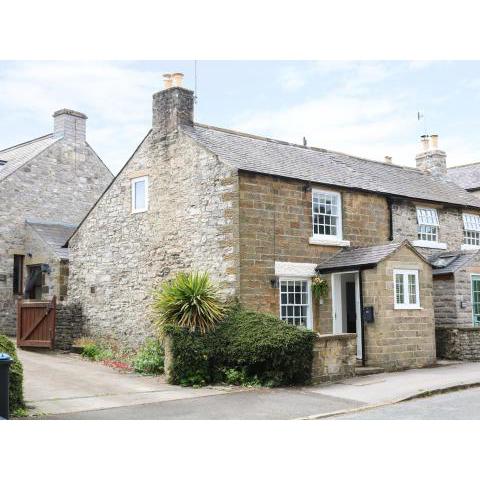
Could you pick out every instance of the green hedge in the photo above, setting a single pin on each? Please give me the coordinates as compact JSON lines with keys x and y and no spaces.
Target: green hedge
{"x":259,"y":345}
{"x":16,"y":375}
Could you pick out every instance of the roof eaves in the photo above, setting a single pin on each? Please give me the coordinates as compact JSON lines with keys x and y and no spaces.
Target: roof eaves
{"x":108,"y":188}
{"x":30,"y":159}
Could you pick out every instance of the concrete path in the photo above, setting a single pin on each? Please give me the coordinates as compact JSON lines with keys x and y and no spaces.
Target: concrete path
{"x":352,"y":395}
{"x":387,"y":388}
{"x":58,"y":383}
{"x":461,"y":405}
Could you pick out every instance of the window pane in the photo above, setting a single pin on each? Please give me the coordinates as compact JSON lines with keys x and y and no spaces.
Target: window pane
{"x":471,"y":238}
{"x":140,"y":195}
{"x":476,"y":301}
{"x":399,"y":288}
{"x":471,"y":222}
{"x":294,"y":304}
{"x":325,"y":213}
{"x":412,"y":289}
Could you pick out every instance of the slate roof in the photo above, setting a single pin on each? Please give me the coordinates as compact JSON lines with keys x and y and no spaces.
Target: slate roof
{"x":359,"y":257}
{"x":454,"y":260}
{"x":17,"y":156}
{"x":54,"y":234}
{"x":274,"y":157}
{"x":467,"y":176}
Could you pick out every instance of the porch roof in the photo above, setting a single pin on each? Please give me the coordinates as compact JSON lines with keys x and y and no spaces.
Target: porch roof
{"x":352,"y":258}
{"x":54,"y":235}
{"x":449,"y":262}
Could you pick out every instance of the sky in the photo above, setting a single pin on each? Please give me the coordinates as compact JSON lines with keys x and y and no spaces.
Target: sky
{"x":367,"y":109}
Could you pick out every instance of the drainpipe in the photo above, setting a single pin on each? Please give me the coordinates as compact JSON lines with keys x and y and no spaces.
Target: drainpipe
{"x":390,"y":219}
{"x":360,"y":285}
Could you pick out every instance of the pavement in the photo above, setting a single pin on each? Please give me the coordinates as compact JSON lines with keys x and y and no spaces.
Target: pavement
{"x":66,"y":386}
{"x":61,"y":383}
{"x":459,"y":405}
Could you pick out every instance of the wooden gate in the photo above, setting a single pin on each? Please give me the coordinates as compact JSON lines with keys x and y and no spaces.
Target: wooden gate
{"x":36,"y":323}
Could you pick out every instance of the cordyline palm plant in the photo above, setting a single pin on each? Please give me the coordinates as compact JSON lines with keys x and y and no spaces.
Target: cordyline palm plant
{"x":191,"y":301}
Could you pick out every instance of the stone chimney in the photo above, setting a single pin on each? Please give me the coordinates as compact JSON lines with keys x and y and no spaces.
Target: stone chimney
{"x":70,"y":125}
{"x":431,"y":159}
{"x":172,"y":106}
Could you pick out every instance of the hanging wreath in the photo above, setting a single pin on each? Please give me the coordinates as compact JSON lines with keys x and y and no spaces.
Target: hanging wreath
{"x":319,"y":287}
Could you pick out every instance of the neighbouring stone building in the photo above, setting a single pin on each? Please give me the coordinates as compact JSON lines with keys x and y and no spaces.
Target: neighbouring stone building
{"x":467,"y":176}
{"x":264,"y":217}
{"x":47,"y":185}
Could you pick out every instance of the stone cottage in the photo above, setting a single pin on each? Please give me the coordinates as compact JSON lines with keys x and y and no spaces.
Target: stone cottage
{"x":47,"y":185}
{"x":264,"y":217}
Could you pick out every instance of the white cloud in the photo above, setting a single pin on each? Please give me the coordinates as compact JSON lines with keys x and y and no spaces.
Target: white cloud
{"x":292,"y":79}
{"x":354,"y":125}
{"x":116,"y":98}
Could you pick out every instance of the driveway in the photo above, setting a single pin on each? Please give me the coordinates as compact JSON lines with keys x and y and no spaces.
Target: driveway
{"x":64,"y":383}
{"x":352,"y":396}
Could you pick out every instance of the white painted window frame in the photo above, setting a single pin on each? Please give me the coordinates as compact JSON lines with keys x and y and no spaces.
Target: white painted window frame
{"x":467,"y":227}
{"x":407,"y":305}
{"x":336,"y":240}
{"x":309,"y":293}
{"x":133,"y":183}
{"x":422,"y":221}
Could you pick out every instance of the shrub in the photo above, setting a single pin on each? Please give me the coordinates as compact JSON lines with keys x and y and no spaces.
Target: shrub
{"x":191,"y":301}
{"x":190,"y":357}
{"x":95,"y":351}
{"x":259,"y":346}
{"x":15,"y":393}
{"x":149,"y":360}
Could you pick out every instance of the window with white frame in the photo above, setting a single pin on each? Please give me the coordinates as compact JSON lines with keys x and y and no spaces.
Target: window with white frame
{"x":327,"y":214}
{"x":407,"y":291}
{"x":471,"y":229}
{"x":139,"y":194}
{"x":295,"y":301}
{"x":427,"y":228}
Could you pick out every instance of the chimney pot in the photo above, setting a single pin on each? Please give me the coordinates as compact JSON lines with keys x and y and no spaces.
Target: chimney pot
{"x":167,"y":80}
{"x":388,"y":160}
{"x":431,"y":159}
{"x":177,"y":79}
{"x":424,"y":142}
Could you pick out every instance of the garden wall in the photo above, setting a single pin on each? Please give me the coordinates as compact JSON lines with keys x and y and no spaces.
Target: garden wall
{"x":334,"y":357}
{"x":458,"y":343}
{"x":69,"y":325}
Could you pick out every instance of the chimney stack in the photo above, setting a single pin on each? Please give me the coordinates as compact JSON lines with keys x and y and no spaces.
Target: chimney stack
{"x":70,"y":125}
{"x":388,"y":160}
{"x":172,"y":106}
{"x":431,"y":159}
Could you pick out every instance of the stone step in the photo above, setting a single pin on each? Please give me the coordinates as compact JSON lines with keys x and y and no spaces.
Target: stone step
{"x":361,"y":371}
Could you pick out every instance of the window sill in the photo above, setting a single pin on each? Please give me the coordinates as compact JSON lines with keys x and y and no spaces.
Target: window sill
{"x":328,"y":241}
{"x":413,"y":307}
{"x":428,"y":244}
{"x":140,"y":211}
{"x":470,"y":247}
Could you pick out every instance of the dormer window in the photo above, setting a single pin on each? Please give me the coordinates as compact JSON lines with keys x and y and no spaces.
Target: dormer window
{"x":471,"y":231}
